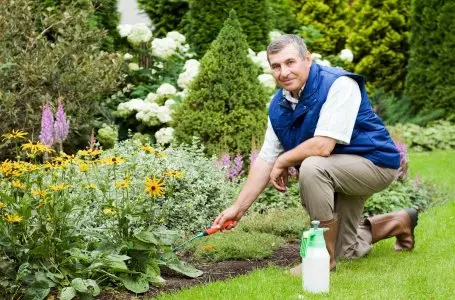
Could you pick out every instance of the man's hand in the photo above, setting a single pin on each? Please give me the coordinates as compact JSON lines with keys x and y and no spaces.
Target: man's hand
{"x":233,"y":213}
{"x":279,"y":177}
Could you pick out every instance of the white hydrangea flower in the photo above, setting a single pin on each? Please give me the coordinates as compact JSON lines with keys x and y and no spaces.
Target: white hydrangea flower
{"x":267,"y":80}
{"x":124,"y":30}
{"x":127,"y":56}
{"x":191,"y":69}
{"x":166,"y":89}
{"x":169,"y":103}
{"x":251,"y":54}
{"x":164,"y":48}
{"x":316,"y":56}
{"x":151,"y":97}
{"x":176,"y":36}
{"x":164,"y":114}
{"x":184,"y":49}
{"x":140,"y":33}
{"x":274,"y":34}
{"x":323,"y":62}
{"x":346,"y":54}
{"x":263,"y":62}
{"x":164,"y":135}
{"x":133,"y":66}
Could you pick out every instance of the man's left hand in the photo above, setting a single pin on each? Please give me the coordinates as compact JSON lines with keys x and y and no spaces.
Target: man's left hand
{"x":279,"y":177}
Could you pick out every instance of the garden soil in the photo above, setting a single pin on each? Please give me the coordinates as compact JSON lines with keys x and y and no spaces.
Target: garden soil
{"x":286,"y":256}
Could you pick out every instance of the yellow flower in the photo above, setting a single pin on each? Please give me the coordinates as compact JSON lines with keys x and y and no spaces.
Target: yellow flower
{"x":36,"y":147}
{"x":122,"y":184}
{"x":148,"y":149}
{"x":15,"y":134}
{"x":160,"y":154}
{"x":11,"y":169}
{"x":91,"y":186}
{"x":109,"y":211}
{"x":39,"y":193}
{"x":154,"y":187}
{"x":58,"y":187}
{"x":90,"y":152}
{"x":2,"y":205}
{"x":13,"y":218}
{"x":174,"y":173}
{"x":112,"y":160}
{"x":18,"y":184}
{"x":83,"y":168}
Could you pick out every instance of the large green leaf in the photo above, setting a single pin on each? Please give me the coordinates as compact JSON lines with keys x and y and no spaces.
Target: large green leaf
{"x":38,"y":290}
{"x":173,"y":262}
{"x":79,"y":285}
{"x":93,"y":288}
{"x":148,"y":237}
{"x":167,"y":237}
{"x":67,"y":293}
{"x":135,"y":283}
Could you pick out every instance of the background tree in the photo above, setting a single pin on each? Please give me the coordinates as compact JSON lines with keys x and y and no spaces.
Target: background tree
{"x":205,"y":19}
{"x":226,"y":104}
{"x":324,"y":24}
{"x":379,"y":41}
{"x":36,"y":68}
{"x":282,"y":16}
{"x":166,"y":15}
{"x":430,"y":82}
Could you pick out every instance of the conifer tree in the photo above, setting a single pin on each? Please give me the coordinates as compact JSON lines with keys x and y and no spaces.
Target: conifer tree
{"x":205,"y":19}
{"x":379,"y":41}
{"x":226,"y":106}
{"x":166,"y":15}
{"x":430,"y":82}
{"x":329,"y":19}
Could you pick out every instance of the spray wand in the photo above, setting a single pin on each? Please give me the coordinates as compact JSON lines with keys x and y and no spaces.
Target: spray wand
{"x":206,"y":232}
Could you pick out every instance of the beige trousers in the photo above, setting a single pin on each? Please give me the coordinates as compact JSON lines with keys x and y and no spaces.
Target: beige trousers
{"x":337,"y":187}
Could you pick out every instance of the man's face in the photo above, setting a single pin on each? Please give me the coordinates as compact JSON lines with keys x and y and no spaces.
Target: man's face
{"x":289,"y":69}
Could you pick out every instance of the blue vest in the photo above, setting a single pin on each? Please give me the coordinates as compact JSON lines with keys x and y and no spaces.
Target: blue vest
{"x":370,"y":138}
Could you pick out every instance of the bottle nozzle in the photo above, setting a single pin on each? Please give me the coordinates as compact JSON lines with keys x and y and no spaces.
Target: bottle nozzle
{"x":315,"y":224}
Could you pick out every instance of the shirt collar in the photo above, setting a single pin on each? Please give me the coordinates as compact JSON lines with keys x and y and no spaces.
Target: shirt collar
{"x":290,"y":98}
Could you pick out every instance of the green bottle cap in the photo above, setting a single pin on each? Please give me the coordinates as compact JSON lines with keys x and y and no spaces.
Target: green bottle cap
{"x":313,"y":238}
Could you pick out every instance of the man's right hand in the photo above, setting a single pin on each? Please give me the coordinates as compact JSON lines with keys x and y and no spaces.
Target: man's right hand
{"x":233,"y":213}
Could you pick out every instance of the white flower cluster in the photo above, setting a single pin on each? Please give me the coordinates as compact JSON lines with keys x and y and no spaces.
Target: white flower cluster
{"x":149,"y":113}
{"x":137,"y":34}
{"x":260,"y":59}
{"x":168,"y":46}
{"x":190,"y":71}
{"x":347,"y":55}
{"x":166,"y":89}
{"x":268,"y":81}
{"x":127,"y":56}
{"x":317,"y":58}
{"x":164,"y":135}
{"x":274,"y":34}
{"x":133,"y":66}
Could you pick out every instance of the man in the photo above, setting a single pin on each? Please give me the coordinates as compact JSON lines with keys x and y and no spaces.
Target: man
{"x":321,"y":120}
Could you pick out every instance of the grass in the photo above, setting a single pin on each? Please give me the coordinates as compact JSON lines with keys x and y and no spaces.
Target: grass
{"x":425,"y":273}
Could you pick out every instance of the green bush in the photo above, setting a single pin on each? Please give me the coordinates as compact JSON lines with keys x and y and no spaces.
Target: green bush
{"x":272,"y":199}
{"x":328,"y":19}
{"x":283,"y":16}
{"x":226,"y":105}
{"x":430,"y":82}
{"x":380,"y":43}
{"x":400,"y":194}
{"x":47,"y":55}
{"x":166,"y":15}
{"x":439,"y":135}
{"x":205,"y":19}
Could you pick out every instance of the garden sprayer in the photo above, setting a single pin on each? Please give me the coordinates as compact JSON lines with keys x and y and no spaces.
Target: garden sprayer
{"x":206,"y":232}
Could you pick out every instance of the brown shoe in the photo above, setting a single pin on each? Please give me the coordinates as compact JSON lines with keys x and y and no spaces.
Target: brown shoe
{"x":330,"y":237}
{"x":400,"y":224}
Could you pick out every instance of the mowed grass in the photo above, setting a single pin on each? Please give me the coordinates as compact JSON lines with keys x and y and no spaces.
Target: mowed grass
{"x":428,"y":272}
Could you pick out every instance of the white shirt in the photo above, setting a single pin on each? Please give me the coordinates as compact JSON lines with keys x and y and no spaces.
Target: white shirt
{"x":336,"y":118}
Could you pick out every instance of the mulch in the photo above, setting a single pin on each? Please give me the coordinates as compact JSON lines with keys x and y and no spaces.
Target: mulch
{"x":286,"y":256}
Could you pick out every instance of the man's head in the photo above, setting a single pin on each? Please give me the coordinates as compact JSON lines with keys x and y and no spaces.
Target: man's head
{"x":290,"y":62}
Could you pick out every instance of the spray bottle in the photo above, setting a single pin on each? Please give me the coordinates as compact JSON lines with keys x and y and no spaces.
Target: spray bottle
{"x":315,"y":260}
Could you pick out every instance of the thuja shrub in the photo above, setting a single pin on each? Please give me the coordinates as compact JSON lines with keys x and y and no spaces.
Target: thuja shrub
{"x":166,"y":15}
{"x":205,"y":19}
{"x":380,"y":42}
{"x":329,"y":19}
{"x":430,"y":81}
{"x":226,"y":105}
{"x":47,"y":55}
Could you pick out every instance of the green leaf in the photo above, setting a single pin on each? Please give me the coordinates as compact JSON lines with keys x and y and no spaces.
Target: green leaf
{"x":172,"y":261}
{"x":148,"y":237}
{"x":167,"y":237}
{"x":67,"y":293}
{"x":37,"y":293}
{"x":135,"y":283}
{"x":152,"y":271}
{"x":116,"y":257}
{"x":79,"y":285}
{"x":93,"y":288}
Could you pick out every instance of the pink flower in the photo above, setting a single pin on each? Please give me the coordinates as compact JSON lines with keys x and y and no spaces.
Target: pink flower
{"x":47,"y":126}
{"x":61,"y":125}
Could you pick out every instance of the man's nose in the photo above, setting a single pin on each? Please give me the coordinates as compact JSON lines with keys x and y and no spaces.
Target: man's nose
{"x":285,"y":71}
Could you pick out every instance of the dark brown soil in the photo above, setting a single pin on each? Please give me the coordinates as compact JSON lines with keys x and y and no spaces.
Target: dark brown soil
{"x":286,"y":256}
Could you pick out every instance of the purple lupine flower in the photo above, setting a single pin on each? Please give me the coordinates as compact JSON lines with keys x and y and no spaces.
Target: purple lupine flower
{"x":236,"y":169}
{"x":47,"y":126}
{"x":224,"y":161}
{"x":403,"y":170}
{"x":61,"y":125}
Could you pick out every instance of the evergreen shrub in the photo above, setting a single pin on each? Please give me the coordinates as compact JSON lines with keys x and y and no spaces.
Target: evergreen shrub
{"x":226,"y":105}
{"x":166,"y":15}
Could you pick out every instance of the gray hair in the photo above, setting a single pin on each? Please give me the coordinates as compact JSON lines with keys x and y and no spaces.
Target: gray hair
{"x":279,"y":43}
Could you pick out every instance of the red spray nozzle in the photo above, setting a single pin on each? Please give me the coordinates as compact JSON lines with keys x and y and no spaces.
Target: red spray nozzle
{"x":215,"y":229}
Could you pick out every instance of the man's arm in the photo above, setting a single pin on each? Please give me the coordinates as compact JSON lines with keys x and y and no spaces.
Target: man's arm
{"x":256,"y":182}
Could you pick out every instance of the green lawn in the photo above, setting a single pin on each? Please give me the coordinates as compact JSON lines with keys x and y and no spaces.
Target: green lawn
{"x":425,"y":273}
